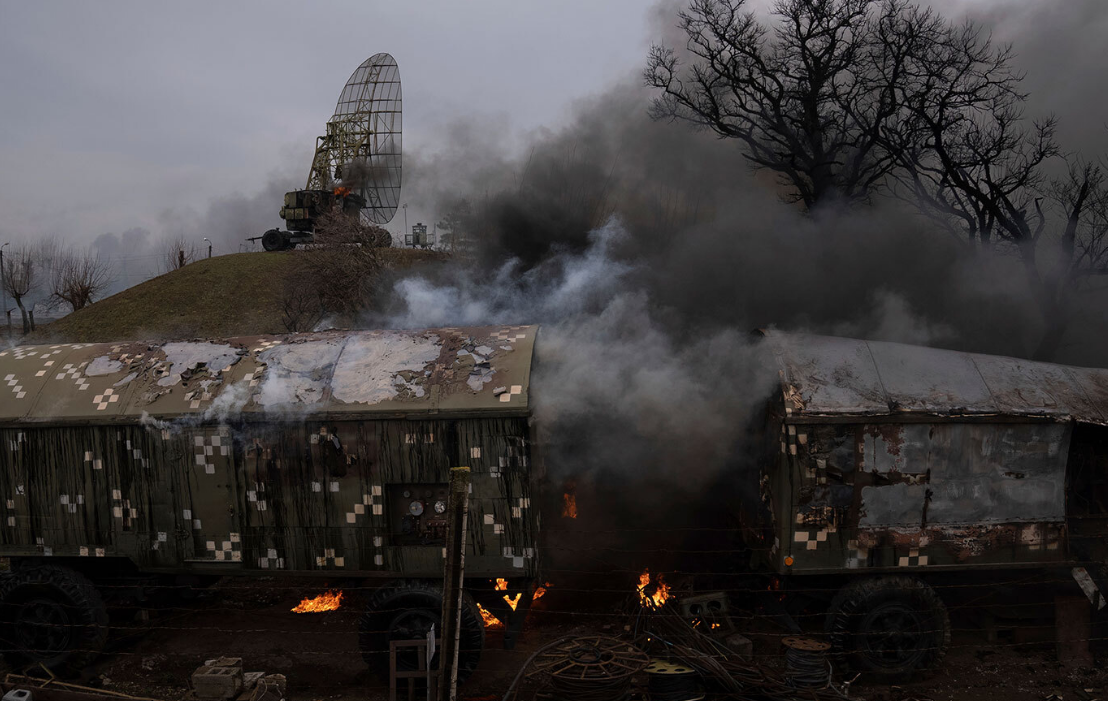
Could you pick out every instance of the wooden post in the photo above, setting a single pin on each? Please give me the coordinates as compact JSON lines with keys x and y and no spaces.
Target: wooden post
{"x":1072,"y":630}
{"x":457,"y":511}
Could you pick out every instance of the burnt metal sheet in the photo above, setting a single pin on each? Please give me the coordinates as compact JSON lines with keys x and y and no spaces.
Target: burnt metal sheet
{"x":964,"y":474}
{"x":893,"y":505}
{"x":997,"y":473}
{"x":923,"y":494}
{"x":826,"y":376}
{"x":917,"y":379}
{"x":434,"y":371}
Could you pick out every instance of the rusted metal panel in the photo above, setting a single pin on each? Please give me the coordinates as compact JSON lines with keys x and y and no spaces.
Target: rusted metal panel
{"x":829,"y":377}
{"x":995,"y":473}
{"x":438,"y":371}
{"x":963,"y":474}
{"x":945,"y":494}
{"x":899,"y":505}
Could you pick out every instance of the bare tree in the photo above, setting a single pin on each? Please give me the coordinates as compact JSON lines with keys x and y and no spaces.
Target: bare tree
{"x":809,"y":99}
{"x":21,"y":279}
{"x":77,"y":279}
{"x":971,"y":162}
{"x":177,"y":252}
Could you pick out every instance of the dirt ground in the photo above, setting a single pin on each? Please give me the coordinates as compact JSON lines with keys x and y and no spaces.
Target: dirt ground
{"x":318,"y":653}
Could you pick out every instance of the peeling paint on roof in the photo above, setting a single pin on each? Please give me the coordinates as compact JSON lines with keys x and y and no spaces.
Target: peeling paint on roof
{"x":823,"y":375}
{"x":370,"y":369}
{"x":103,"y":365}
{"x":349,"y":372}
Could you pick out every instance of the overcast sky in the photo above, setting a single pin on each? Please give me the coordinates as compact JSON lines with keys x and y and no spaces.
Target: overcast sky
{"x":116,"y":115}
{"x":114,"y":112}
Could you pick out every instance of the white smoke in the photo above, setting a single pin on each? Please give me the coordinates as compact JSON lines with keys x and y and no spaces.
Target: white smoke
{"x":612,"y":389}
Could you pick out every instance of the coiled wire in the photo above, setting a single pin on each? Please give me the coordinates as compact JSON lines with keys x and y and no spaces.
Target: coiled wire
{"x":806,"y":664}
{"x":562,"y":689}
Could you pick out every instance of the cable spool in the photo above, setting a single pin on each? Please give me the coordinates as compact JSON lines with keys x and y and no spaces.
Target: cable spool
{"x":672,"y":681}
{"x":806,"y":663}
{"x":593,"y":668}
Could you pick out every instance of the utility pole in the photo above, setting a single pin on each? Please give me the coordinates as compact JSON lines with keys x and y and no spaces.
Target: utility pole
{"x":4,"y":289}
{"x":457,"y":515}
{"x":407,"y":232}
{"x":209,"y":246}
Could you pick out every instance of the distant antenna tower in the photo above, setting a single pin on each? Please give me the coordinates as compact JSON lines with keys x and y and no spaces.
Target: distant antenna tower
{"x":357,"y":163}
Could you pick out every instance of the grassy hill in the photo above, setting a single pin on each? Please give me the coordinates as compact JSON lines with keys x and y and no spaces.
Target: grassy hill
{"x":233,"y":295}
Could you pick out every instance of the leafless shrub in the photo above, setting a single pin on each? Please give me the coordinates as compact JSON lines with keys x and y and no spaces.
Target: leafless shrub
{"x":302,"y":308}
{"x":177,"y":252}
{"x":337,"y":275}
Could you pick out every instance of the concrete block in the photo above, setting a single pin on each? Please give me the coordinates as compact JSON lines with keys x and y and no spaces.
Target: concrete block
{"x":741,"y":644}
{"x":216,"y":683}
{"x":224,"y":662}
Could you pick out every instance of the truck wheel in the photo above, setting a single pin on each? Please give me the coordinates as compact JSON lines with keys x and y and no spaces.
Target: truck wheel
{"x":51,"y":615}
{"x":406,"y":611}
{"x":888,"y":626}
{"x":272,"y":240}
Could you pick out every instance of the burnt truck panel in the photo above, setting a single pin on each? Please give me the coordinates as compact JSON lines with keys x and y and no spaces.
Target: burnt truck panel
{"x":918,"y":495}
{"x":344,"y":474}
{"x":899,"y":458}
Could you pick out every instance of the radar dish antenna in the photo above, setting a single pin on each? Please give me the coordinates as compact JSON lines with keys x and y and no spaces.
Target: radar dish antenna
{"x":362,"y":149}
{"x":357,"y":163}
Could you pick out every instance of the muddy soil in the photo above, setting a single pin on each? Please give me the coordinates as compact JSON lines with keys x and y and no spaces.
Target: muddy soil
{"x":318,"y":653}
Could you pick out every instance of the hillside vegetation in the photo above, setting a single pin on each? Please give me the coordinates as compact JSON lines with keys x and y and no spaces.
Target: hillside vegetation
{"x":232,"y":295}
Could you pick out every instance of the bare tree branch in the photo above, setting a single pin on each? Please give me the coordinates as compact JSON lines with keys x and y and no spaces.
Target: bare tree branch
{"x":20,"y":279}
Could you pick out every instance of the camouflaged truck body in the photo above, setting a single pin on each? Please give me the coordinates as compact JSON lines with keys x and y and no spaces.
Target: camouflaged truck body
{"x":321,"y":452}
{"x":895,"y":458}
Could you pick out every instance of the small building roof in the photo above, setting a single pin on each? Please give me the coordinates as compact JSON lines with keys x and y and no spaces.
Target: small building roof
{"x":829,"y":376}
{"x":442,"y":372}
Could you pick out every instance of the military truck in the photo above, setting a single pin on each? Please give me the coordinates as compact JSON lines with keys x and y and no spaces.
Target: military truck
{"x":321,"y":454}
{"x":890,"y":470}
{"x":878,"y":470}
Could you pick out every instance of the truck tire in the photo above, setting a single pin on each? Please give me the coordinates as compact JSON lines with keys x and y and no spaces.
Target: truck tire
{"x":406,"y":611}
{"x":890,"y":627}
{"x":51,"y":615}
{"x":274,"y":240}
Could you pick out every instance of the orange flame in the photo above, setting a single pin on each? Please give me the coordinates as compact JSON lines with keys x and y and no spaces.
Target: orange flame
{"x":324,"y":602}
{"x":661,"y":590}
{"x":569,"y":500}
{"x":540,"y":592}
{"x":502,"y":585}
{"x":489,"y":620}
{"x":342,"y":191}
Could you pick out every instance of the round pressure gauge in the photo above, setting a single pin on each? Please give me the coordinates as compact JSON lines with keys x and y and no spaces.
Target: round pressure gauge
{"x":440,"y":507}
{"x":416,"y":508}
